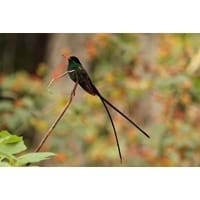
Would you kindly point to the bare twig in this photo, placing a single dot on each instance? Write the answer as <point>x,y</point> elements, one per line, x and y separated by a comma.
<point>58,118</point>
<point>60,76</point>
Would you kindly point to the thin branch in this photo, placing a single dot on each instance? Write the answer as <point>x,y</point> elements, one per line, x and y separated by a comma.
<point>60,76</point>
<point>58,118</point>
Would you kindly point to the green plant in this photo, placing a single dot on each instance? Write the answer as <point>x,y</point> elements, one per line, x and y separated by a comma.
<point>12,145</point>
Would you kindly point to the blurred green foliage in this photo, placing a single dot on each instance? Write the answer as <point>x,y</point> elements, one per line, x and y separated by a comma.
<point>84,136</point>
<point>21,114</point>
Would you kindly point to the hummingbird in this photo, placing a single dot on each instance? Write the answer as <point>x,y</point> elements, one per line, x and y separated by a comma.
<point>80,75</point>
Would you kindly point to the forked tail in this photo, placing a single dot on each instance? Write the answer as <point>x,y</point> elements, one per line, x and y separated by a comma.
<point>120,155</point>
<point>121,113</point>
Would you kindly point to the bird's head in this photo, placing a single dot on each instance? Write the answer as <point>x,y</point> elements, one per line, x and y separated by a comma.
<point>74,59</point>
<point>74,63</point>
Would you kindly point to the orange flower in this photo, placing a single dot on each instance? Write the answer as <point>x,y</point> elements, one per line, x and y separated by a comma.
<point>103,36</point>
<point>165,161</point>
<point>59,70</point>
<point>102,39</point>
<point>186,98</point>
<point>179,114</point>
<point>91,48</point>
<point>187,84</point>
<point>61,157</point>
<point>19,103</point>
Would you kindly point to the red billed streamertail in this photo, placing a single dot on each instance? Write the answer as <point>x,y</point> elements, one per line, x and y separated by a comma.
<point>85,82</point>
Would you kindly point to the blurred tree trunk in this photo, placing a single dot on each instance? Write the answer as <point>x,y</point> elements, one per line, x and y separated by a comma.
<point>147,109</point>
<point>149,51</point>
<point>75,43</point>
<point>21,51</point>
<point>8,53</point>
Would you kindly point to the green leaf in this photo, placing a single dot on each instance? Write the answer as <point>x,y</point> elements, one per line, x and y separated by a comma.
<point>4,155</point>
<point>33,158</point>
<point>13,139</point>
<point>7,158</point>
<point>13,148</point>
<point>4,134</point>
<point>11,144</point>
<point>6,137</point>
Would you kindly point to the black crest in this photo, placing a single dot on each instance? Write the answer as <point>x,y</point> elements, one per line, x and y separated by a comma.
<point>75,59</point>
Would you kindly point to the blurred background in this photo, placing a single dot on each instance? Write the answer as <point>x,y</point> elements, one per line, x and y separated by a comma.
<point>153,78</point>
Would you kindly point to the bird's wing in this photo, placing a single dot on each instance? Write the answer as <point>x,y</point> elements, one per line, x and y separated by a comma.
<point>86,83</point>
